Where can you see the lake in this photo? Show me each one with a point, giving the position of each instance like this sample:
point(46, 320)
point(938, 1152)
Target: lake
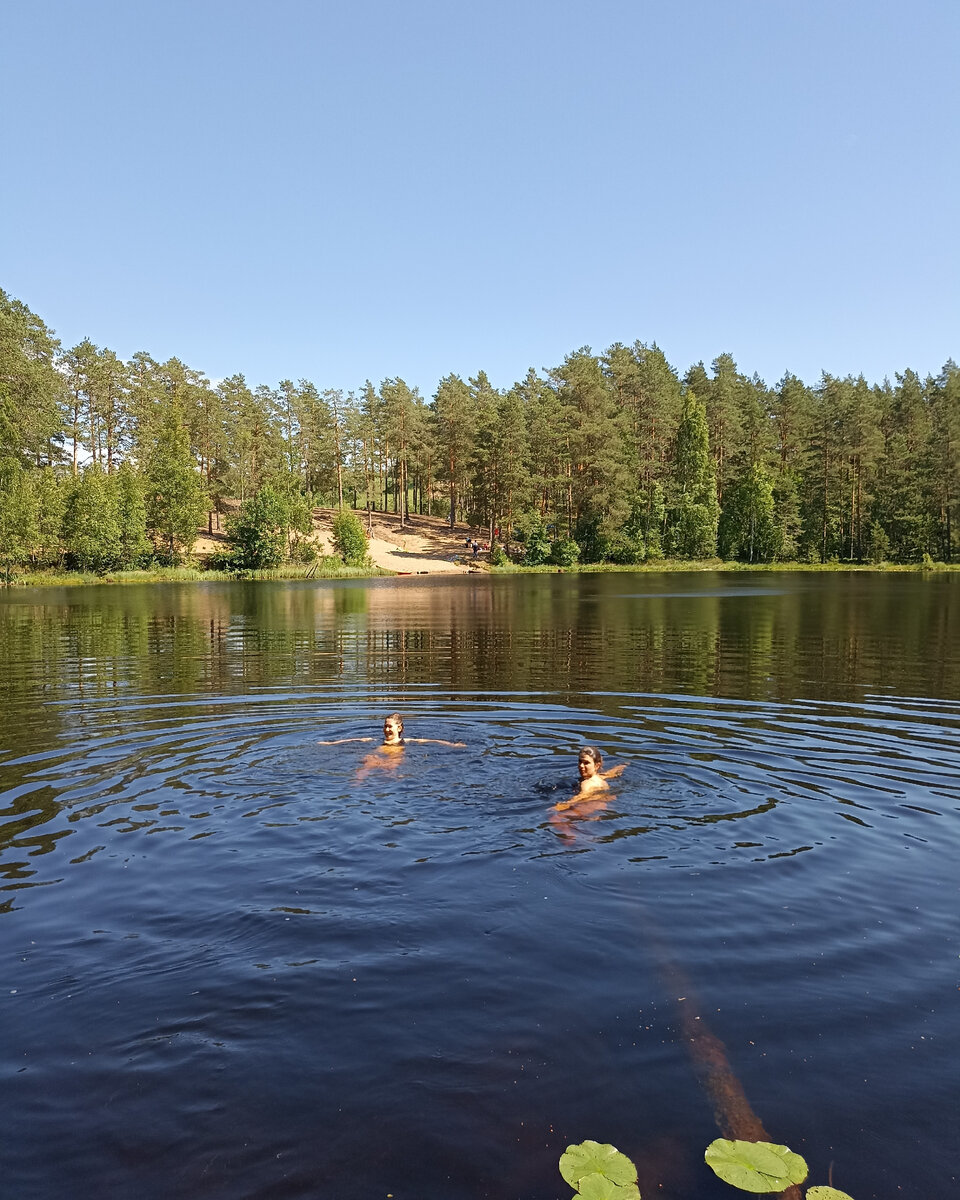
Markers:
point(238, 963)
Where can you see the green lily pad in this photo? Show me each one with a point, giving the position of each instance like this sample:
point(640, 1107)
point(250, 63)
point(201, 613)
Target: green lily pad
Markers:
point(755, 1166)
point(599, 1187)
point(826, 1193)
point(596, 1158)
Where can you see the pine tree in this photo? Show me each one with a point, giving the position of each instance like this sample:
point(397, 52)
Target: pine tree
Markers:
point(510, 451)
point(453, 414)
point(649, 397)
point(600, 494)
point(943, 457)
point(548, 432)
point(693, 512)
point(135, 546)
point(175, 499)
point(905, 503)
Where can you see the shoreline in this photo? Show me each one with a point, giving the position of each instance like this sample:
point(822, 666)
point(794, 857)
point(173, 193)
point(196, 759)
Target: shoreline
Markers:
point(304, 574)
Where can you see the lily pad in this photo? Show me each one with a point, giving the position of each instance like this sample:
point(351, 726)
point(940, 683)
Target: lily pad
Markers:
point(596, 1158)
point(755, 1166)
point(599, 1187)
point(826, 1193)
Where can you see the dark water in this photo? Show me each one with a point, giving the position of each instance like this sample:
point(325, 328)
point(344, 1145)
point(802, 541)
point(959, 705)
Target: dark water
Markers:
point(232, 969)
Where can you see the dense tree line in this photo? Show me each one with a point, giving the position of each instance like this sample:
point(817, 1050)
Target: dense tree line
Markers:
point(606, 457)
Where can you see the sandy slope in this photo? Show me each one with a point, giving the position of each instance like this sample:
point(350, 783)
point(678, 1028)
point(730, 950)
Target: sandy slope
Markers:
point(425, 545)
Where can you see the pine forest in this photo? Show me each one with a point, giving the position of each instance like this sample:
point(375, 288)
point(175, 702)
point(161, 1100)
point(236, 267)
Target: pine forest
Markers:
point(613, 457)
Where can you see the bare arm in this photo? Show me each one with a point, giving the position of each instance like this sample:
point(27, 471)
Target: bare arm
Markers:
point(614, 771)
point(341, 741)
point(591, 789)
point(434, 742)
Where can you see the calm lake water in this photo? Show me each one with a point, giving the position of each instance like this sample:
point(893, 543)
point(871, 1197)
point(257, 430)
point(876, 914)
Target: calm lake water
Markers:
point(238, 964)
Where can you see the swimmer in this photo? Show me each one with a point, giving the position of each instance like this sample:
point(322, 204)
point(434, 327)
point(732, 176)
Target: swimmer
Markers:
point(593, 778)
point(389, 753)
point(393, 736)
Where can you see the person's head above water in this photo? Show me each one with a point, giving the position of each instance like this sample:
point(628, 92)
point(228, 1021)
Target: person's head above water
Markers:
point(589, 762)
point(392, 729)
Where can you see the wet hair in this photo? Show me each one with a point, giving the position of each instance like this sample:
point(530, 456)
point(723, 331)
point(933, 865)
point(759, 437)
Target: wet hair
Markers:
point(591, 752)
point(394, 717)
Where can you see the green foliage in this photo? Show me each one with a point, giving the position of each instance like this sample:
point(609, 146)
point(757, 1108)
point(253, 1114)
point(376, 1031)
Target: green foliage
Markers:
point(17, 516)
point(258, 533)
point(221, 559)
point(135, 547)
point(91, 523)
point(755, 1166)
point(531, 532)
point(31, 388)
point(626, 548)
point(692, 516)
point(826, 1193)
point(349, 539)
point(598, 1171)
point(613, 447)
point(498, 556)
point(175, 497)
point(747, 529)
point(878, 544)
point(49, 499)
point(564, 552)
point(592, 539)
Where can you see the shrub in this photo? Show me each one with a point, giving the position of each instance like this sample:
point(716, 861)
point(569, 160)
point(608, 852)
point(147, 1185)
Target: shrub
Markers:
point(592, 540)
point(878, 544)
point(498, 556)
point(258, 533)
point(303, 552)
point(626, 548)
point(564, 552)
point(221, 559)
point(349, 539)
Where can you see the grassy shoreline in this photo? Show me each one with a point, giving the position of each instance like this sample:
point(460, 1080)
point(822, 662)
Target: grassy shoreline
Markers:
point(304, 573)
point(192, 574)
point(667, 566)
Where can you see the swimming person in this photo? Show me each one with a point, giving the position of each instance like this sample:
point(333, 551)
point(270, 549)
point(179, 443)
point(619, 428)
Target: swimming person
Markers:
point(593, 778)
point(390, 752)
point(393, 736)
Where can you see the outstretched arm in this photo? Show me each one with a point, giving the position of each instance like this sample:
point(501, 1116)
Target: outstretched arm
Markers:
point(434, 741)
point(585, 802)
point(614, 771)
point(341, 741)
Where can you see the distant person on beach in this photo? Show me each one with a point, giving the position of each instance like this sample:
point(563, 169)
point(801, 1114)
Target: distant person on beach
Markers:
point(390, 753)
point(593, 778)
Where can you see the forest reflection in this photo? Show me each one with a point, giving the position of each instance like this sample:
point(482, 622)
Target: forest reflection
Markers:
point(586, 634)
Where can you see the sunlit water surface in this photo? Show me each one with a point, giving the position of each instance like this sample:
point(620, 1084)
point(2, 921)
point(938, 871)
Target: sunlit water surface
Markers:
point(238, 964)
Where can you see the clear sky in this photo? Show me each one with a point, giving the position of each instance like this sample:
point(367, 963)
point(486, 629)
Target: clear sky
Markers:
point(372, 188)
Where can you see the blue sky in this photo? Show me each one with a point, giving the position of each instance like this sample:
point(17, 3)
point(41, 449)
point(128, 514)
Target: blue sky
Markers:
point(337, 191)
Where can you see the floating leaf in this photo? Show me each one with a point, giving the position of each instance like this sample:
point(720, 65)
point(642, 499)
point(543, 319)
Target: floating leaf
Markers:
point(826, 1193)
point(755, 1166)
point(596, 1158)
point(599, 1187)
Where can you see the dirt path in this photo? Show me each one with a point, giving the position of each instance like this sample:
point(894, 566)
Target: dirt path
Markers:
point(424, 546)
